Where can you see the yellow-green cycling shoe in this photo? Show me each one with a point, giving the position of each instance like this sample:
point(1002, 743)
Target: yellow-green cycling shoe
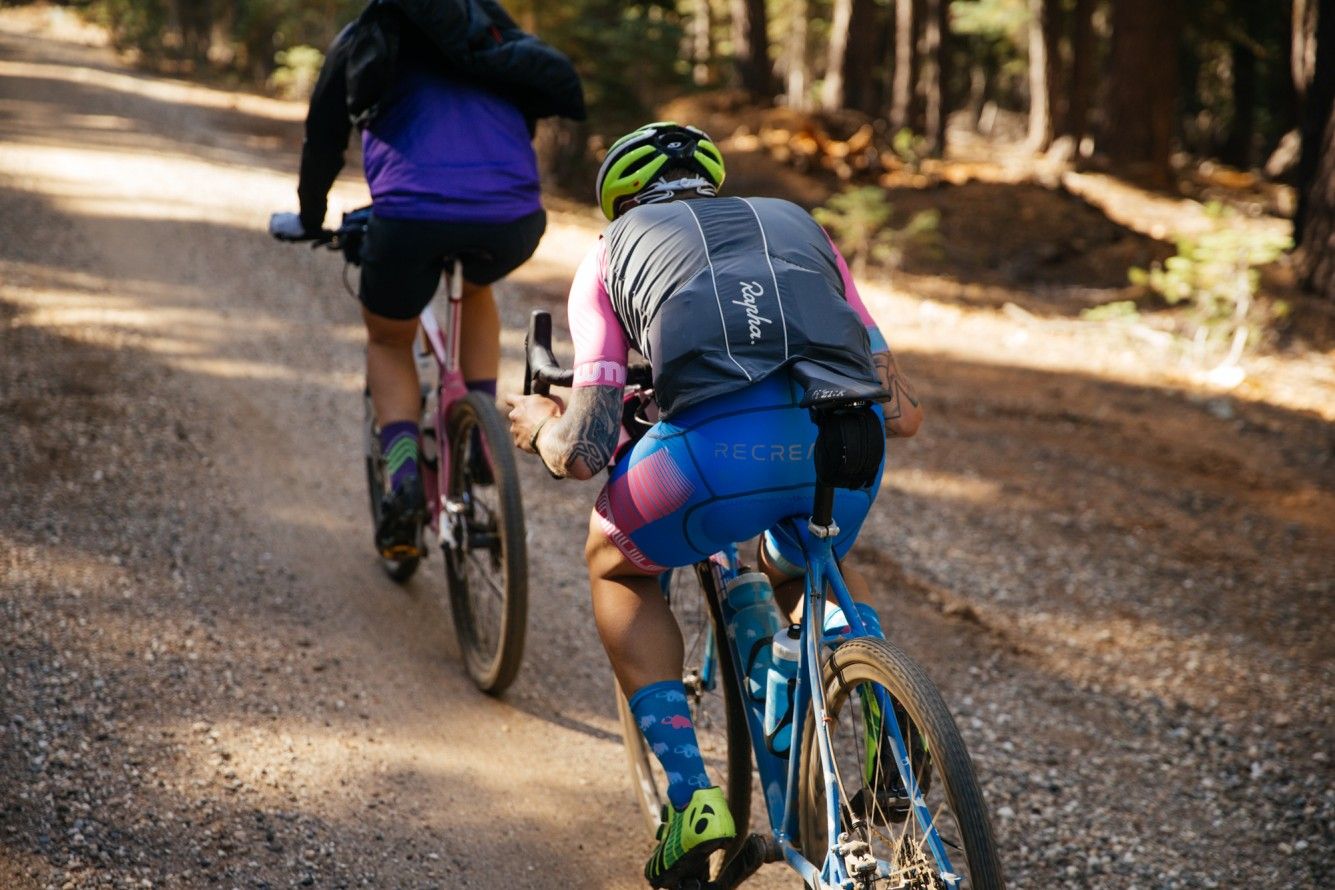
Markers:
point(687, 837)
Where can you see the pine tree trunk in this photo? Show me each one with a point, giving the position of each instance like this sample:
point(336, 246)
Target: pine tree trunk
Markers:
point(832, 90)
point(1238, 148)
point(868, 47)
point(1314, 222)
point(1076, 119)
point(906, 69)
point(702, 50)
point(1040, 111)
point(1142, 92)
point(931, 74)
point(799, 73)
point(751, 48)
point(1317, 264)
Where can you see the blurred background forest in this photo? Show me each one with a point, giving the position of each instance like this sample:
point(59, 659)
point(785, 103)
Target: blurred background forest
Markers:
point(857, 106)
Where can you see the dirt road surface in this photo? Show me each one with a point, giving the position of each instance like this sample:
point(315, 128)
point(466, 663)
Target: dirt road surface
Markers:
point(1122, 583)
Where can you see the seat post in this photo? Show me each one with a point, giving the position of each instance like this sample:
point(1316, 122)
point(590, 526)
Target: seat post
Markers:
point(822, 512)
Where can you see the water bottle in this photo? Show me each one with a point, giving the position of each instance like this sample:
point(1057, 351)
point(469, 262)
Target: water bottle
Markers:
point(785, 656)
point(752, 619)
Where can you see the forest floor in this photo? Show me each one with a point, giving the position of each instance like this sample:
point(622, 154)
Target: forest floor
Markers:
point(1121, 579)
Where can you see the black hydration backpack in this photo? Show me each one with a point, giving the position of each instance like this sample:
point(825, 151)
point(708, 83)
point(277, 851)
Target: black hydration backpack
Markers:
point(473, 39)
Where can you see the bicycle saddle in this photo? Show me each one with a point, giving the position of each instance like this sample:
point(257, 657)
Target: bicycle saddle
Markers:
point(825, 387)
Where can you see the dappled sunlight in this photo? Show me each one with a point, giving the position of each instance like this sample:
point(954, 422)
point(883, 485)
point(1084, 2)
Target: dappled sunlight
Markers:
point(75, 571)
point(237, 369)
point(946, 486)
point(1132, 353)
point(163, 90)
point(110, 182)
point(274, 757)
point(188, 339)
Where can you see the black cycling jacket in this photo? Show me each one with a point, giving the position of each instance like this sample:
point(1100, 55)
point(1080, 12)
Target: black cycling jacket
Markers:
point(719, 293)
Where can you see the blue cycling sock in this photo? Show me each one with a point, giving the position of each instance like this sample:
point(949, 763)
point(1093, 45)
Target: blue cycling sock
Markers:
point(398, 445)
point(660, 709)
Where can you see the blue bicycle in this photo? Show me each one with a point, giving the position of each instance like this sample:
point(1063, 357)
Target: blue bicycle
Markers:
point(874, 787)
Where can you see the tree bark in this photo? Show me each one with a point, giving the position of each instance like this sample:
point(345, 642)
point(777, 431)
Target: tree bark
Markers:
point(1040, 109)
point(832, 90)
point(1238, 147)
point(750, 44)
point(868, 47)
point(1142, 92)
point(901, 102)
point(932, 75)
point(1317, 262)
point(799, 68)
point(1076, 119)
point(1315, 217)
point(702, 50)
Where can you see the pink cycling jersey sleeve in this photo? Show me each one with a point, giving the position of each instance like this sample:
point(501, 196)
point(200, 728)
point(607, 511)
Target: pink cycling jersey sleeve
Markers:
point(600, 344)
point(855, 300)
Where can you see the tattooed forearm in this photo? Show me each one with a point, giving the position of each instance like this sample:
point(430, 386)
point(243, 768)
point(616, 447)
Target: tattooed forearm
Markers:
point(903, 412)
point(580, 443)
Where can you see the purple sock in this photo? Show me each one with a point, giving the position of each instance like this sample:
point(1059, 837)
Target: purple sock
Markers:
point(486, 386)
point(398, 444)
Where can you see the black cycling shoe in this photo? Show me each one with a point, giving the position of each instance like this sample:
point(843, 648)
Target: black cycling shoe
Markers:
point(402, 513)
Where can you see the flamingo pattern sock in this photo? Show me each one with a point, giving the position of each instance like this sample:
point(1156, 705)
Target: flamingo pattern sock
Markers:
point(660, 709)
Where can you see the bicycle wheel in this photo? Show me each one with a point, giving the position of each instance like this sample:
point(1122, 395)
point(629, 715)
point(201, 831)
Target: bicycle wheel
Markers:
point(716, 710)
point(399, 570)
point(872, 810)
point(485, 560)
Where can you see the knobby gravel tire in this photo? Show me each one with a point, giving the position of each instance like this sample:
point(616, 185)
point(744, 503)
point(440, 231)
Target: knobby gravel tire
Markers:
point(493, 664)
point(867, 661)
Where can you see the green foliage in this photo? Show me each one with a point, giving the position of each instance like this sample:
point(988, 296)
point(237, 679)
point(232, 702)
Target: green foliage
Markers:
point(1118, 310)
point(910, 148)
point(1214, 275)
point(859, 220)
point(992, 19)
point(298, 68)
point(627, 53)
point(133, 24)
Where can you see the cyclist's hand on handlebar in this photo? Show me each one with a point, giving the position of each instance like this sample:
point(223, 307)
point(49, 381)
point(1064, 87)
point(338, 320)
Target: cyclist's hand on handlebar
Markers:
point(528, 413)
point(288, 227)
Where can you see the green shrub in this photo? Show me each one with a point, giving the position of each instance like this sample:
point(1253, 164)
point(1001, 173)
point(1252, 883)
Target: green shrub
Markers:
point(297, 71)
point(1214, 274)
point(859, 220)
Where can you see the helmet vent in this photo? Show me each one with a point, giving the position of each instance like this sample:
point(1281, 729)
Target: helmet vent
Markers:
point(638, 164)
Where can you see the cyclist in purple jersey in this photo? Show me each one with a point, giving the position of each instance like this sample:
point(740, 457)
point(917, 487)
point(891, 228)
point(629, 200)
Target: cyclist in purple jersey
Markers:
point(748, 314)
point(452, 173)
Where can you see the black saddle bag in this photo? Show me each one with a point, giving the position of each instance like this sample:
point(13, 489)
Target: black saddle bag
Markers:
point(850, 443)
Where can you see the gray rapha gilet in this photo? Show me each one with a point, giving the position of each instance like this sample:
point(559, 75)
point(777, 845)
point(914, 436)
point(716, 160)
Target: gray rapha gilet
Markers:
point(719, 293)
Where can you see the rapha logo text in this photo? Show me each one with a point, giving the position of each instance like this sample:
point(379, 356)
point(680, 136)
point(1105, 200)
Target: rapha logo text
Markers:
point(750, 291)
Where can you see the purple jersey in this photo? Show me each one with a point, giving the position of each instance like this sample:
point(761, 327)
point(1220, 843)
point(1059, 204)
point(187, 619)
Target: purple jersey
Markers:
point(446, 150)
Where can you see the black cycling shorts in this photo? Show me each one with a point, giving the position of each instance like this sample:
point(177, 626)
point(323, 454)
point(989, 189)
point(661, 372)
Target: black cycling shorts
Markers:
point(402, 259)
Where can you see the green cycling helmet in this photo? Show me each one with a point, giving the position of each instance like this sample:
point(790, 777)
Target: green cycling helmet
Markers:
point(634, 161)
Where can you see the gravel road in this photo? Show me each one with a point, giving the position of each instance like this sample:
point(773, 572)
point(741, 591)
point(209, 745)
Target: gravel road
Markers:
point(1122, 583)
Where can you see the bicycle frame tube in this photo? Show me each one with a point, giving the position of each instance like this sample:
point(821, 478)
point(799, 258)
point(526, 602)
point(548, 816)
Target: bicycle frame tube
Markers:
point(779, 776)
point(822, 572)
point(444, 343)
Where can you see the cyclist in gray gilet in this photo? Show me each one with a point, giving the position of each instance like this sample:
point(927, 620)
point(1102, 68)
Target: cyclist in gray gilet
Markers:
point(746, 311)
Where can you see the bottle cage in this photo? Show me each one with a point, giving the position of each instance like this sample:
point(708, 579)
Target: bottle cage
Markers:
point(850, 442)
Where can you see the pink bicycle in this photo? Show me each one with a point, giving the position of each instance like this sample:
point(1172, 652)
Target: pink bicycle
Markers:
point(475, 511)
